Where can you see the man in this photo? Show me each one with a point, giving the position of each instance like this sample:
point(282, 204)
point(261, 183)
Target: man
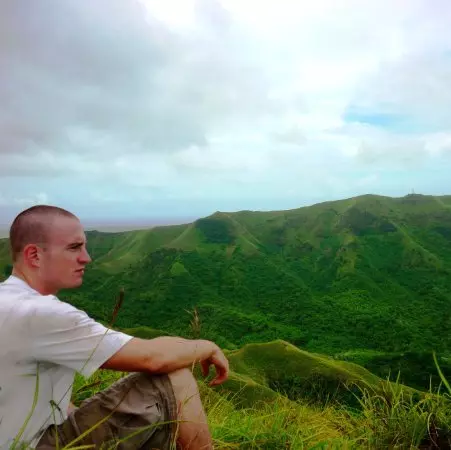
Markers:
point(44, 341)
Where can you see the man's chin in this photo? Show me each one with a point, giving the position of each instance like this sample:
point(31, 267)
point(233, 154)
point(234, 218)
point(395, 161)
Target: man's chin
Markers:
point(75, 283)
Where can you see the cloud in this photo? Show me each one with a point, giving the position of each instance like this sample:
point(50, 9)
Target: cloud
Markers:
point(37, 199)
point(79, 76)
point(439, 144)
point(416, 87)
point(79, 72)
point(152, 101)
point(290, 135)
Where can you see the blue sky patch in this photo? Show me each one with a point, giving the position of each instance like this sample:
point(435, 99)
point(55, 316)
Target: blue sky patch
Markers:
point(392, 122)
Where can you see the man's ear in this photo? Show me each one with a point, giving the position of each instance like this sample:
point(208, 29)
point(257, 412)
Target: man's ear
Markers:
point(32, 255)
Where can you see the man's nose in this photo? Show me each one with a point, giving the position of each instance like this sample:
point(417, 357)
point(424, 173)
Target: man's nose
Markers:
point(84, 257)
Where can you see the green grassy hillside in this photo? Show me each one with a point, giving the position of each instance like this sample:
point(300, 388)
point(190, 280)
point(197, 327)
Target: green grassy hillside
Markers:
point(281, 367)
point(279, 396)
point(114, 252)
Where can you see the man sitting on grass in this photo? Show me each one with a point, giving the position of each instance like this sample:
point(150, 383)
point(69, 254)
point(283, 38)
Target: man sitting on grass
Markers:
point(44, 341)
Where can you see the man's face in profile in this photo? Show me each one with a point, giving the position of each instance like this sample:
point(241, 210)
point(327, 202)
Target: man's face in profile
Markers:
point(64, 255)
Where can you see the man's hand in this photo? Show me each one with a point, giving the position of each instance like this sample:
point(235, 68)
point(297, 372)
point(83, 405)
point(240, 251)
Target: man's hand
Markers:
point(221, 364)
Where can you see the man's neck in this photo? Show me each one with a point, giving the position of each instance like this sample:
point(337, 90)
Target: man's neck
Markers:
point(31, 280)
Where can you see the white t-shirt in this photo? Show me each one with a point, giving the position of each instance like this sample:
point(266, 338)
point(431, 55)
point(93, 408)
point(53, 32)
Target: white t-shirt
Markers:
point(40, 334)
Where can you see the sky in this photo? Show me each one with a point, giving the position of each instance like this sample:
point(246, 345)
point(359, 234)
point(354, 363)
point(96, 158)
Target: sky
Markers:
point(158, 111)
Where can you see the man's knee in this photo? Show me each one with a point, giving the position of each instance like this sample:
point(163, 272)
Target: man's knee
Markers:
point(192, 429)
point(184, 384)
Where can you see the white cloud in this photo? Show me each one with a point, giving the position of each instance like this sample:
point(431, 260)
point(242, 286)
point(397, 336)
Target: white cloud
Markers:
point(161, 99)
point(34, 199)
point(368, 181)
point(439, 143)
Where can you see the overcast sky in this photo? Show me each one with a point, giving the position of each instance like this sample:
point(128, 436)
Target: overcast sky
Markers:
point(126, 111)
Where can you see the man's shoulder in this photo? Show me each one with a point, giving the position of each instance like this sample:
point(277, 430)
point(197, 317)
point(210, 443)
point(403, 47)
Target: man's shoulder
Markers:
point(27, 301)
point(13, 288)
point(14, 298)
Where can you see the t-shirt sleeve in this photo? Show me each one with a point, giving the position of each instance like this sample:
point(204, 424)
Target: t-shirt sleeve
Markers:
point(65, 335)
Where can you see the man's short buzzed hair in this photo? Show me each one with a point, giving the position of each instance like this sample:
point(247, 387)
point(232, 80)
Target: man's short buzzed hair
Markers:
point(31, 227)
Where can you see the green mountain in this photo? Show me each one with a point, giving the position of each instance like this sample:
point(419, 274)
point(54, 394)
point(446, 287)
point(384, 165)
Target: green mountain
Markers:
point(261, 370)
point(366, 277)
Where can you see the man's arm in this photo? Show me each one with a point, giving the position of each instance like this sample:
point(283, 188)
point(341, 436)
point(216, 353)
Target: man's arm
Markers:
point(167, 354)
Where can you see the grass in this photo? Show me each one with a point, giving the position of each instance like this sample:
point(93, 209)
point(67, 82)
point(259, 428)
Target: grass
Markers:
point(388, 414)
point(249, 412)
point(275, 425)
point(116, 251)
point(392, 420)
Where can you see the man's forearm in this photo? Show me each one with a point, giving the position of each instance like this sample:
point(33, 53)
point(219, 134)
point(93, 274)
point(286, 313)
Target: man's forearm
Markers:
point(172, 353)
point(160, 355)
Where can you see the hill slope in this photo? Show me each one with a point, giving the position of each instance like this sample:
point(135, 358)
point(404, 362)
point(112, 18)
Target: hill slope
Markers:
point(250, 410)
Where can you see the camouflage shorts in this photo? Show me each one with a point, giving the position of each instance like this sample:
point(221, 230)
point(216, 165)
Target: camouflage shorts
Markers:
point(135, 411)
